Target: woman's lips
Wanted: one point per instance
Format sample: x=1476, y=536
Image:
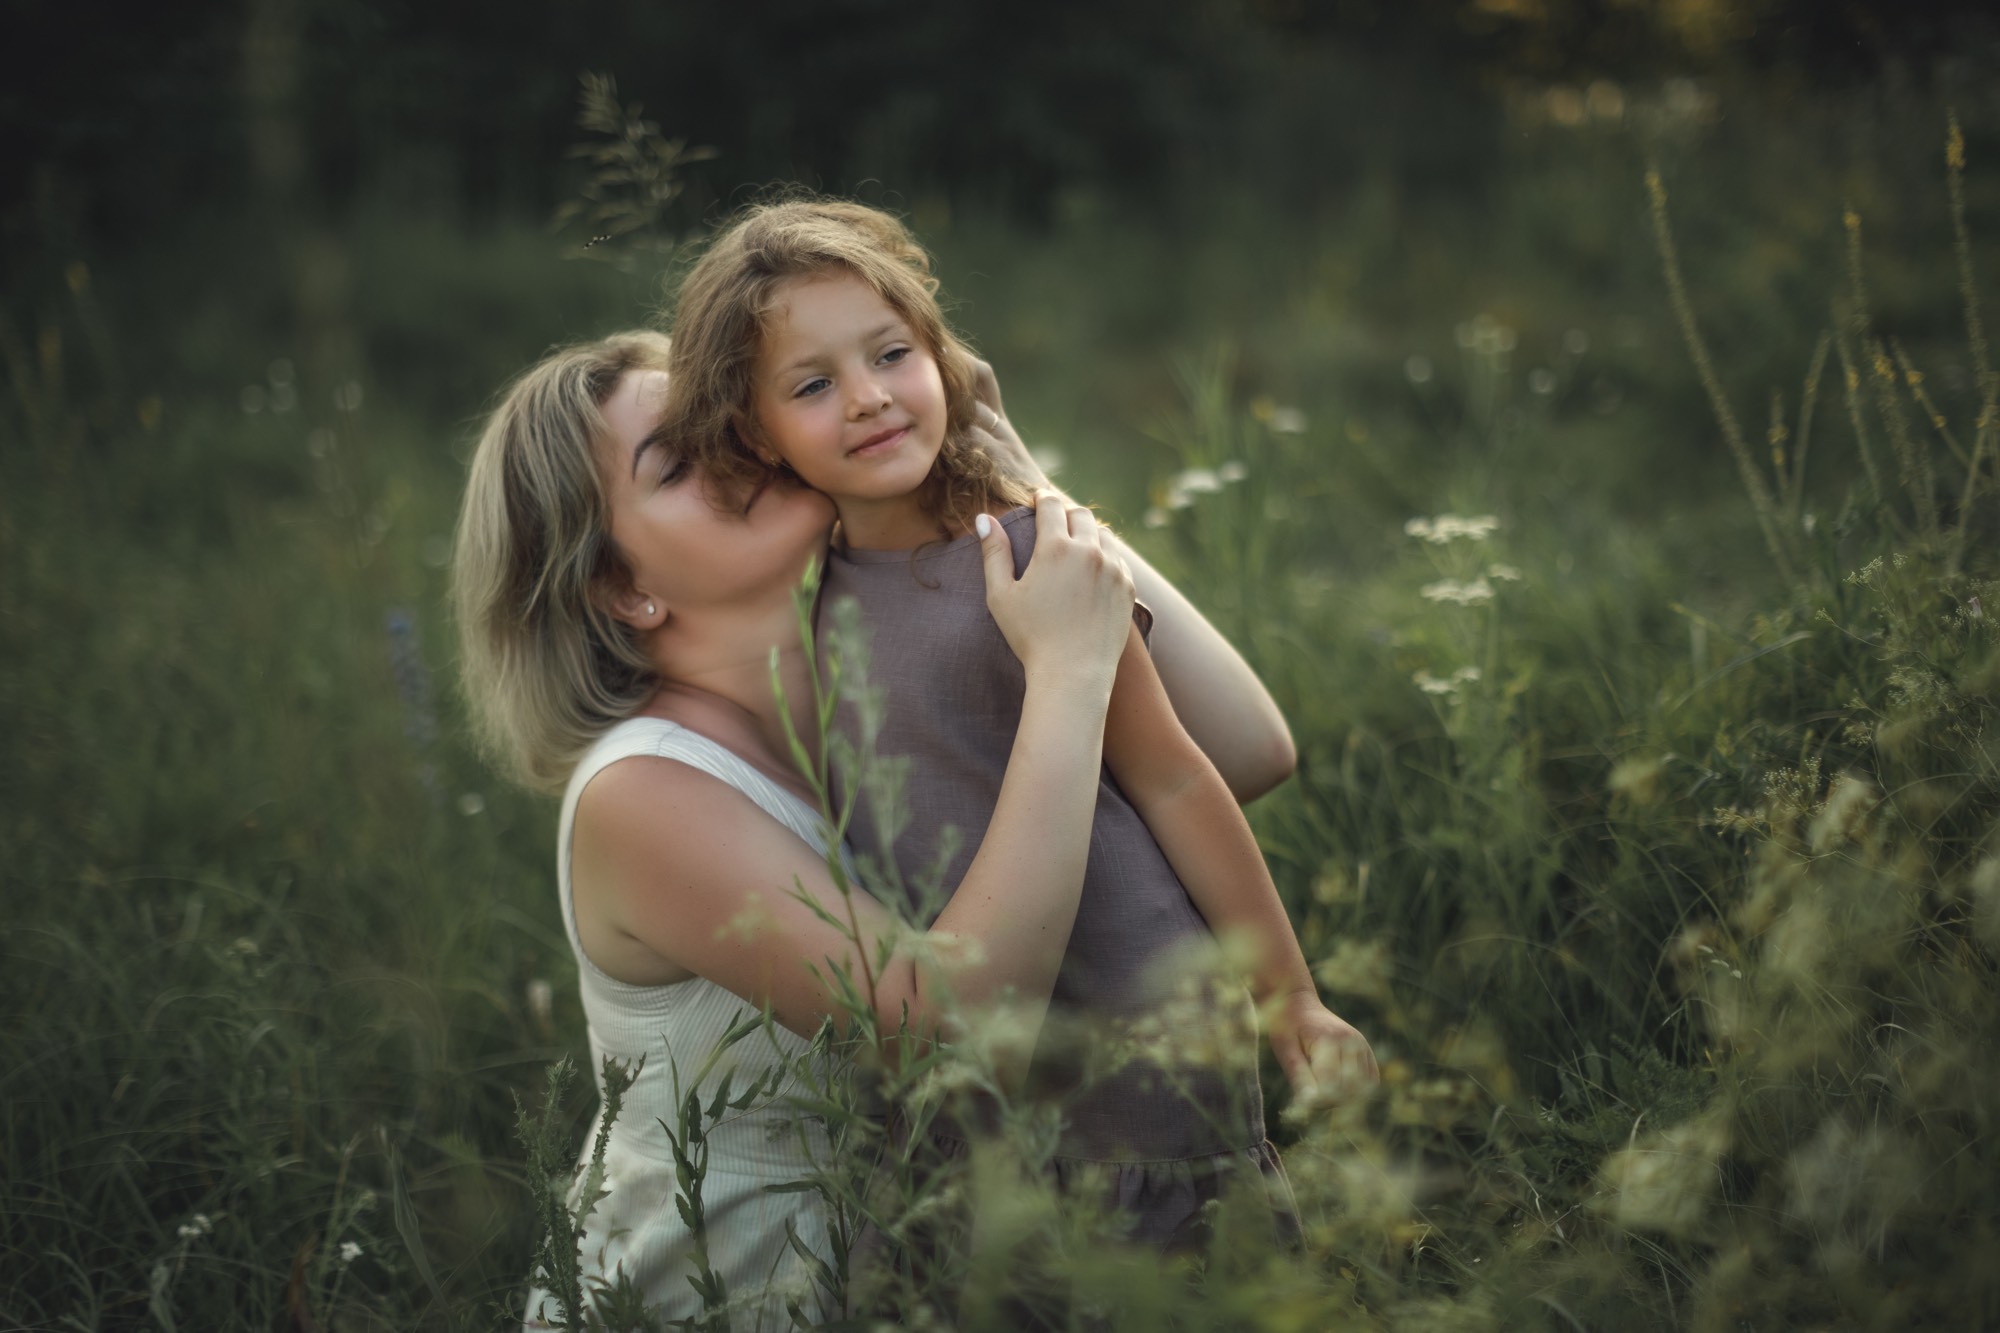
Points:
x=876, y=444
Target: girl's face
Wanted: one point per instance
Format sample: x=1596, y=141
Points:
x=846, y=394
x=688, y=549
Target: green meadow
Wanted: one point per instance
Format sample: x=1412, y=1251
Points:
x=1630, y=591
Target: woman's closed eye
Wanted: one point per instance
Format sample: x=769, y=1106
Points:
x=673, y=467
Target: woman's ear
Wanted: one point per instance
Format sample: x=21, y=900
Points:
x=627, y=605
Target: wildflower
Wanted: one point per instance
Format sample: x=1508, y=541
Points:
x=1461, y=594
x=1451, y=684
x=349, y=1252
x=1430, y=684
x=1446, y=528
x=1288, y=421
x=1233, y=471
x=1505, y=573
x=1155, y=517
x=541, y=1000
x=471, y=803
x=1184, y=486
x=195, y=1227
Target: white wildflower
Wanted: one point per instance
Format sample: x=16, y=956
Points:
x=1465, y=675
x=1155, y=517
x=1430, y=684
x=1446, y=528
x=1505, y=573
x=1288, y=421
x=1233, y=471
x=349, y=1252
x=195, y=1227
x=541, y=999
x=1198, y=481
x=1461, y=594
x=471, y=803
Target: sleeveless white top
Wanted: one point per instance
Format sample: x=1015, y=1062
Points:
x=637, y=1226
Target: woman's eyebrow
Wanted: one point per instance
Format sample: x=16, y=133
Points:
x=654, y=437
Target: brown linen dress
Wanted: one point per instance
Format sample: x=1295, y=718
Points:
x=1157, y=1136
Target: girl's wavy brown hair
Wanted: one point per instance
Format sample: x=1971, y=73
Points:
x=725, y=307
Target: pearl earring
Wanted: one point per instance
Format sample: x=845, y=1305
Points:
x=649, y=608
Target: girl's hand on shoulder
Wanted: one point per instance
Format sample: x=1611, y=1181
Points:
x=1325, y=1058
x=1070, y=612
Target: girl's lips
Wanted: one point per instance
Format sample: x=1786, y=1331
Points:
x=875, y=444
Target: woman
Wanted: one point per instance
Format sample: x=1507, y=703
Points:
x=618, y=616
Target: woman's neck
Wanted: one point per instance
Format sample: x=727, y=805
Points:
x=727, y=696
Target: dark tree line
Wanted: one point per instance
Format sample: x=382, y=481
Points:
x=160, y=107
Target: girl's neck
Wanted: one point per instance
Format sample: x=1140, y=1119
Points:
x=897, y=523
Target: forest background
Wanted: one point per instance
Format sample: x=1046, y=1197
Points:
x=1649, y=828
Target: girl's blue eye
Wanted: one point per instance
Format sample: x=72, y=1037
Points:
x=895, y=354
x=810, y=387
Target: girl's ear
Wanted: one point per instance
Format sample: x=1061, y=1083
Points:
x=752, y=439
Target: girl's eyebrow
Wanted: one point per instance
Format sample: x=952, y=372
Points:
x=881, y=331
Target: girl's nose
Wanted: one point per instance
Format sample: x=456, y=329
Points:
x=869, y=397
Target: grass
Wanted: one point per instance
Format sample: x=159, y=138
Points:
x=1676, y=924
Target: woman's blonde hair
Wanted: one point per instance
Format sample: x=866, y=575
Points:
x=729, y=296
x=545, y=666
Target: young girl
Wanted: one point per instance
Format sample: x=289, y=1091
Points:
x=809, y=338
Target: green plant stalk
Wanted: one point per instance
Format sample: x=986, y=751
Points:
x=1732, y=431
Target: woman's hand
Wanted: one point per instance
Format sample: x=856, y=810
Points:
x=992, y=432
x=1070, y=612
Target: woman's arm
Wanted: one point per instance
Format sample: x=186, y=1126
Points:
x=1191, y=815
x=705, y=879
x=1218, y=698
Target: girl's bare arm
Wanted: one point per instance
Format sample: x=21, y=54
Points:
x=1218, y=698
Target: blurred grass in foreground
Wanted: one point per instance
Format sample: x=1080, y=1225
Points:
x=1667, y=887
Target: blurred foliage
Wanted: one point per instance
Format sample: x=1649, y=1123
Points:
x=1013, y=103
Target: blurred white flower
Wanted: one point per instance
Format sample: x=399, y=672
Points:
x=195, y=1227
x=349, y=1252
x=1461, y=594
x=1430, y=684
x=541, y=1000
x=471, y=803
x=1451, y=684
x=1155, y=517
x=1505, y=573
x=1233, y=471
x=1450, y=527
x=1048, y=458
x=1288, y=421
x=1542, y=381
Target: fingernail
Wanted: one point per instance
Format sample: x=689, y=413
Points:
x=982, y=525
